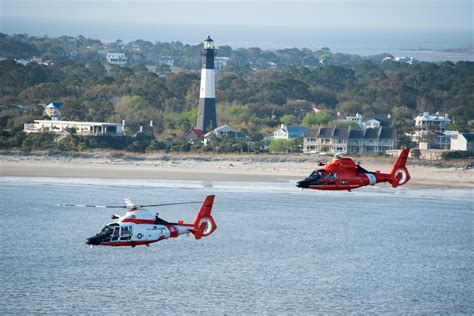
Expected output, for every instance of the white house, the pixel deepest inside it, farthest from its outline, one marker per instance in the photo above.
(426, 120)
(224, 131)
(167, 60)
(116, 58)
(463, 141)
(372, 123)
(220, 62)
(81, 128)
(289, 132)
(52, 109)
(356, 119)
(432, 139)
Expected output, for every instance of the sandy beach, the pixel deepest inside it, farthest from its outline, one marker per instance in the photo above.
(245, 168)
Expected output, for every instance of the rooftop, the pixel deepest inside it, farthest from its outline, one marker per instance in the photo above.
(468, 136)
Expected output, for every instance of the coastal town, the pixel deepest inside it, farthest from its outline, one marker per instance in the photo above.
(236, 157)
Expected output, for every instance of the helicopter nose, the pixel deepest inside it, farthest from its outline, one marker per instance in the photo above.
(304, 184)
(93, 241)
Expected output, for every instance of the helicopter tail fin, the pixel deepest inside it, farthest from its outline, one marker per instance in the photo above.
(399, 173)
(204, 224)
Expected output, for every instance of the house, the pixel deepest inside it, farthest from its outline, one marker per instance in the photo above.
(355, 140)
(22, 61)
(386, 139)
(220, 62)
(316, 108)
(310, 145)
(116, 58)
(370, 141)
(81, 128)
(272, 65)
(371, 123)
(348, 141)
(356, 119)
(402, 59)
(224, 131)
(166, 60)
(427, 139)
(52, 109)
(289, 132)
(193, 133)
(429, 121)
(463, 141)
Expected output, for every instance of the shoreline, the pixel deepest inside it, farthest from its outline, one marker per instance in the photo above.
(248, 168)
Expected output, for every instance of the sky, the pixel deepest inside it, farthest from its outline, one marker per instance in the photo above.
(368, 14)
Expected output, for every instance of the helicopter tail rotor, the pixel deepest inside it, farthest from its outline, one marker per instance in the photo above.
(399, 172)
(204, 223)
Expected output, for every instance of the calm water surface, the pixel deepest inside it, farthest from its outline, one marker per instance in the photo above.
(276, 250)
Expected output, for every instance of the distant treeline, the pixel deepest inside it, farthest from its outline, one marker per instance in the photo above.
(250, 97)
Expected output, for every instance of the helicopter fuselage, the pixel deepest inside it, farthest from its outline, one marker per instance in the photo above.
(344, 174)
(134, 234)
(142, 227)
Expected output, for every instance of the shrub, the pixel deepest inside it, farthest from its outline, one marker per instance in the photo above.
(456, 154)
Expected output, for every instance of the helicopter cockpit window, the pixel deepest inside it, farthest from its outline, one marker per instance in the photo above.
(315, 174)
(108, 229)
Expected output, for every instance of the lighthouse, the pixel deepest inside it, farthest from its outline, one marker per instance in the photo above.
(206, 120)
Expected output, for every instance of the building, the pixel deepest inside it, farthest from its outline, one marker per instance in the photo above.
(371, 123)
(356, 119)
(220, 62)
(348, 141)
(193, 134)
(435, 122)
(22, 61)
(224, 131)
(316, 108)
(52, 109)
(81, 128)
(427, 139)
(401, 59)
(206, 120)
(166, 60)
(463, 141)
(116, 58)
(289, 132)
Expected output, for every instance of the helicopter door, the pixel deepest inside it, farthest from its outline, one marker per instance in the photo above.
(116, 233)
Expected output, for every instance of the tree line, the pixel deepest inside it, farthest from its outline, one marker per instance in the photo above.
(252, 99)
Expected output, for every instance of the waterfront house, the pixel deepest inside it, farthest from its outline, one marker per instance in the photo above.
(349, 141)
(289, 132)
(80, 128)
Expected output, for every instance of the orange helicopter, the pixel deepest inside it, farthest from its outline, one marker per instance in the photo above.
(344, 174)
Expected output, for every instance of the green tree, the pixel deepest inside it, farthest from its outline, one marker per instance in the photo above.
(134, 110)
(323, 117)
(283, 146)
(288, 119)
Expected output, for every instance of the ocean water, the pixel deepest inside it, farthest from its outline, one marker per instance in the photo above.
(277, 250)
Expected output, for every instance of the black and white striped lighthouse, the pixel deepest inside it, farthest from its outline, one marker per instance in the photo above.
(206, 120)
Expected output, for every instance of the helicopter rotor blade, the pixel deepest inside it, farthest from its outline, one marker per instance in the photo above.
(167, 204)
(125, 206)
(90, 205)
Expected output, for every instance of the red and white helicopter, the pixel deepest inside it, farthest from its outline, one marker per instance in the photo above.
(344, 174)
(140, 226)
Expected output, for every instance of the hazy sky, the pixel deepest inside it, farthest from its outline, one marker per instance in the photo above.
(382, 14)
